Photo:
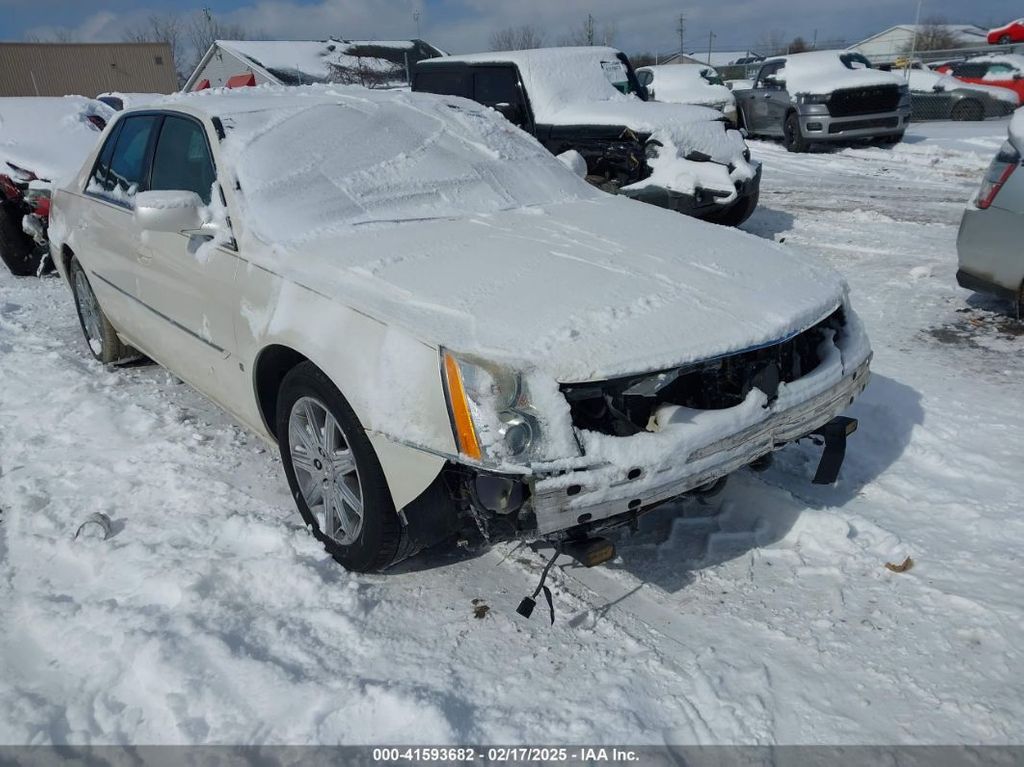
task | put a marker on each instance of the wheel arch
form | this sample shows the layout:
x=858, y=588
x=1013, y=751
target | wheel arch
x=272, y=364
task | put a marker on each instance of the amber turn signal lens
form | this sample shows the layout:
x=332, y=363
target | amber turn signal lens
x=461, y=418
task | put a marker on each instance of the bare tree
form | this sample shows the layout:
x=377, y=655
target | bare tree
x=53, y=35
x=934, y=34
x=517, y=38
x=799, y=45
x=162, y=29
x=589, y=34
x=205, y=29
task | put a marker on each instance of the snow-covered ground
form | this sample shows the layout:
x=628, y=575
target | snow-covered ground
x=767, y=616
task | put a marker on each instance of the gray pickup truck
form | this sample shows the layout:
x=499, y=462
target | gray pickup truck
x=824, y=96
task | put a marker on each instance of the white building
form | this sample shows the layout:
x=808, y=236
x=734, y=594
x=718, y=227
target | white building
x=896, y=41
x=301, y=62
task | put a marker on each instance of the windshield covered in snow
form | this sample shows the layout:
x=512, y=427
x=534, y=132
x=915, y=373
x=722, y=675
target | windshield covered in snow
x=345, y=158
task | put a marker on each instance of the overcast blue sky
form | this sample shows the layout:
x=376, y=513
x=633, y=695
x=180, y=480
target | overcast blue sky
x=466, y=25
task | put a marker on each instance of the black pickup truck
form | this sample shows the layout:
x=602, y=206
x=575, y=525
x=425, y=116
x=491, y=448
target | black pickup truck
x=588, y=100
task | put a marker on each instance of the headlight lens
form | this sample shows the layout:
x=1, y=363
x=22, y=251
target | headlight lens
x=808, y=98
x=492, y=416
x=652, y=149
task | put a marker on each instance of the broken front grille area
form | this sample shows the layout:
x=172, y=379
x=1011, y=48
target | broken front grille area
x=622, y=407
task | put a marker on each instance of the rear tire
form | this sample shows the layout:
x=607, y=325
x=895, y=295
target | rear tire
x=968, y=111
x=792, y=138
x=17, y=249
x=334, y=474
x=100, y=336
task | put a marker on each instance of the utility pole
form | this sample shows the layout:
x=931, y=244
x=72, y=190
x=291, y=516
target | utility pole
x=711, y=37
x=416, y=18
x=681, y=29
x=589, y=29
x=913, y=44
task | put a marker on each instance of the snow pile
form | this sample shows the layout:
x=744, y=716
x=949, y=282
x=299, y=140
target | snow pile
x=130, y=100
x=329, y=158
x=672, y=170
x=686, y=84
x=822, y=72
x=926, y=81
x=49, y=136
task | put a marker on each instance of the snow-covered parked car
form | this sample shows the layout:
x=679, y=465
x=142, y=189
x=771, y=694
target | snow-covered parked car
x=446, y=330
x=588, y=100
x=824, y=96
x=43, y=140
x=991, y=259
x=697, y=84
x=935, y=96
x=117, y=100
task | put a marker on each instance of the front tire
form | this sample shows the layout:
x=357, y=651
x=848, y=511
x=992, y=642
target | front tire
x=334, y=475
x=792, y=138
x=17, y=249
x=1005, y=40
x=99, y=334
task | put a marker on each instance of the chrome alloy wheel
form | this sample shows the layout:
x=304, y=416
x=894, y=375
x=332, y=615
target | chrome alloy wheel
x=325, y=470
x=89, y=308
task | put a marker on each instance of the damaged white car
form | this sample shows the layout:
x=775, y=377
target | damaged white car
x=446, y=331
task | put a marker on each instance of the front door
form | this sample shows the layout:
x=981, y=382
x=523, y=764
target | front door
x=187, y=280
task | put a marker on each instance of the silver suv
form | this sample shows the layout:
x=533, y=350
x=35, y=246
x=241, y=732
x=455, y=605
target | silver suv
x=824, y=96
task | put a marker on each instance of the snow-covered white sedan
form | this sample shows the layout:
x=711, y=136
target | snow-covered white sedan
x=697, y=84
x=445, y=329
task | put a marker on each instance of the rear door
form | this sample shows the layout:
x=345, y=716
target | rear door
x=188, y=280
x=108, y=238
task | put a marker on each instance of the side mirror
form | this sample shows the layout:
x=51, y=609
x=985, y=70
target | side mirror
x=645, y=77
x=1018, y=76
x=168, y=211
x=575, y=162
x=510, y=112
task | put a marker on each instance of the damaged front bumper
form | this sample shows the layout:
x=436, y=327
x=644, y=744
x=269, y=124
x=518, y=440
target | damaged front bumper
x=703, y=203
x=566, y=500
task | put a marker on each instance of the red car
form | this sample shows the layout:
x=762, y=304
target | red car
x=41, y=139
x=1008, y=33
x=1004, y=71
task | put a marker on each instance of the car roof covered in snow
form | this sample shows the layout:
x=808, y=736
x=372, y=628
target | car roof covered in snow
x=326, y=158
x=1015, y=60
x=821, y=72
x=49, y=135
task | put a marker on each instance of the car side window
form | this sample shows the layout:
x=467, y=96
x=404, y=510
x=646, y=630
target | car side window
x=182, y=159
x=1000, y=69
x=767, y=71
x=126, y=173
x=496, y=85
x=443, y=82
x=98, y=178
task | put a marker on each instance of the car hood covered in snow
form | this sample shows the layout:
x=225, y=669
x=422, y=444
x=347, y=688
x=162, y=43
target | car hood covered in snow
x=49, y=136
x=450, y=223
x=582, y=290
x=822, y=72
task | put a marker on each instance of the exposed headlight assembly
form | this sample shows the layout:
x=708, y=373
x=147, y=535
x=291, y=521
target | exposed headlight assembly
x=492, y=416
x=652, y=149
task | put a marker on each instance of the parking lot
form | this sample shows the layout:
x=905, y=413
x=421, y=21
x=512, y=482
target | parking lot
x=766, y=615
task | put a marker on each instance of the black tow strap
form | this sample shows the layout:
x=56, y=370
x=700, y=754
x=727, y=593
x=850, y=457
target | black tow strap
x=526, y=606
x=834, y=433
